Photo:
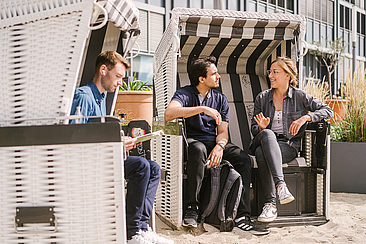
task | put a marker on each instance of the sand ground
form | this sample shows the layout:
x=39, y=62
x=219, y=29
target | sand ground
x=347, y=225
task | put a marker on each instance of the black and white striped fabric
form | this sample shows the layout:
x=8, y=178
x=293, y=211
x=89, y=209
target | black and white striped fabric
x=123, y=13
x=238, y=24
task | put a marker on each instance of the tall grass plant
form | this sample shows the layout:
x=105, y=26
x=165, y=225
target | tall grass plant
x=352, y=126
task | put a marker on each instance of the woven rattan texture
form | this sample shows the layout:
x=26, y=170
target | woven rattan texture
x=169, y=196
x=40, y=58
x=82, y=181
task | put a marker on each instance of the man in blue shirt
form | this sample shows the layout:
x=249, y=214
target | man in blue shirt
x=206, y=112
x=143, y=175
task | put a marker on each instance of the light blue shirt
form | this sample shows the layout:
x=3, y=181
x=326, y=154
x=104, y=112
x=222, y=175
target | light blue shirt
x=90, y=101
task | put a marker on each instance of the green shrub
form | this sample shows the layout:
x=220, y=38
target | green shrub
x=352, y=127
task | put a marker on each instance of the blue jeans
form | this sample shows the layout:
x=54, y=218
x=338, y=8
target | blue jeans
x=270, y=154
x=143, y=179
x=198, y=151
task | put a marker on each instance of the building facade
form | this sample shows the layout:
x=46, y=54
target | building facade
x=326, y=20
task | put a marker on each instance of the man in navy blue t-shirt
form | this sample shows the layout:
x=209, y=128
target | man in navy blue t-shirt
x=206, y=112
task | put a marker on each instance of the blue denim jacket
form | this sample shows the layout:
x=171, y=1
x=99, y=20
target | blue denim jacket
x=91, y=101
x=296, y=104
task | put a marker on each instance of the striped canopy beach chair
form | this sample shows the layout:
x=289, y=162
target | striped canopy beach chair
x=244, y=44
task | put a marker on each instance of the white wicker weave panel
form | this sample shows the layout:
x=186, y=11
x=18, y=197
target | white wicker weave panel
x=165, y=83
x=40, y=59
x=320, y=194
x=84, y=182
x=169, y=197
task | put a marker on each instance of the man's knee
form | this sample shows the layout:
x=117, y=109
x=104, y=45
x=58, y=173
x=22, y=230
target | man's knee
x=197, y=148
x=139, y=164
x=155, y=170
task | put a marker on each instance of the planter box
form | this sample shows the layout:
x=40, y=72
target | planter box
x=348, y=167
x=339, y=107
x=138, y=105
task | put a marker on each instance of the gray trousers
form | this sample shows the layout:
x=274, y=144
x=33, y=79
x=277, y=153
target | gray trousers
x=270, y=153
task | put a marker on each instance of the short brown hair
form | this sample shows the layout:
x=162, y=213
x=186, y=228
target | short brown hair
x=289, y=67
x=110, y=59
x=199, y=68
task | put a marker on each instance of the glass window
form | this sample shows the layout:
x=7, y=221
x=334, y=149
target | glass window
x=195, y=4
x=316, y=31
x=261, y=8
x=341, y=18
x=141, y=1
x=251, y=6
x=273, y=2
x=281, y=3
x=330, y=33
x=233, y=5
x=159, y=3
x=323, y=34
x=309, y=31
x=180, y=3
x=208, y=4
x=271, y=9
x=290, y=5
x=347, y=18
x=143, y=67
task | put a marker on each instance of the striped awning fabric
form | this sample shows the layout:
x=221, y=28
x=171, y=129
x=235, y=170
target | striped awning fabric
x=238, y=24
x=124, y=15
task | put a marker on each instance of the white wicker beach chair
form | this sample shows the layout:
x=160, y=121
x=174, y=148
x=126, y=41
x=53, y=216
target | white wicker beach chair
x=244, y=44
x=58, y=183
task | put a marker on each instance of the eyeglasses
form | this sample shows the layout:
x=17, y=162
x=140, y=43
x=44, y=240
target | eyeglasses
x=275, y=72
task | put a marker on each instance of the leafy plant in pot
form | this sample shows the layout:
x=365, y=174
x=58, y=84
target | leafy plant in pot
x=134, y=85
x=135, y=99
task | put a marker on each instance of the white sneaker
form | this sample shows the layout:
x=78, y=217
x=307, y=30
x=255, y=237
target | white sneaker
x=139, y=239
x=269, y=213
x=151, y=235
x=284, y=194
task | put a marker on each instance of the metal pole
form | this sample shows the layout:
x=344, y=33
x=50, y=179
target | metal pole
x=354, y=35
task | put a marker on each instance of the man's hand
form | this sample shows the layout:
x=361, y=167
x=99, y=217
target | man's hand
x=213, y=113
x=215, y=156
x=130, y=143
x=262, y=121
x=296, y=125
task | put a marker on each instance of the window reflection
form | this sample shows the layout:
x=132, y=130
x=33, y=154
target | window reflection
x=143, y=67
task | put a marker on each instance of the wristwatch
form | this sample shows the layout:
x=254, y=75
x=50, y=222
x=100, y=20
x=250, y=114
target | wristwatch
x=221, y=145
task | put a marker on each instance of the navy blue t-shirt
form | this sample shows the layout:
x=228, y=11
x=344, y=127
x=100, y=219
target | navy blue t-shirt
x=201, y=126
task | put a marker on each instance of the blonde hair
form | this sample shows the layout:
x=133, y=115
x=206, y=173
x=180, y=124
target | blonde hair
x=289, y=67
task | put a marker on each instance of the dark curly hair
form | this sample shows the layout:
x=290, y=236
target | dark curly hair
x=199, y=68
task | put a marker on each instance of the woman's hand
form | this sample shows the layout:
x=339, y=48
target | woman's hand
x=262, y=121
x=296, y=125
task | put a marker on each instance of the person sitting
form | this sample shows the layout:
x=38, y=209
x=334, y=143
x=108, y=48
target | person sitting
x=143, y=175
x=279, y=113
x=206, y=112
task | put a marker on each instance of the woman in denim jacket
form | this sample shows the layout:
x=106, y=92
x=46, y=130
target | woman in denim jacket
x=279, y=113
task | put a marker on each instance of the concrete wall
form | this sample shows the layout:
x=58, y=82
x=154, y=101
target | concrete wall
x=348, y=167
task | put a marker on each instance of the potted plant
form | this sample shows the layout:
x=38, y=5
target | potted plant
x=348, y=136
x=135, y=100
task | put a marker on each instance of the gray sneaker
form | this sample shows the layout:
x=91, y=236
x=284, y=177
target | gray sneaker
x=191, y=216
x=269, y=213
x=284, y=194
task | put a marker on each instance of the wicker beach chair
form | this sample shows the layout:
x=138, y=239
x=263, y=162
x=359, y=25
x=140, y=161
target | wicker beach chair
x=244, y=44
x=59, y=183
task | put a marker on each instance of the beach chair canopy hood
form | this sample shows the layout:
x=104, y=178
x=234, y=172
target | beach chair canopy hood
x=244, y=44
